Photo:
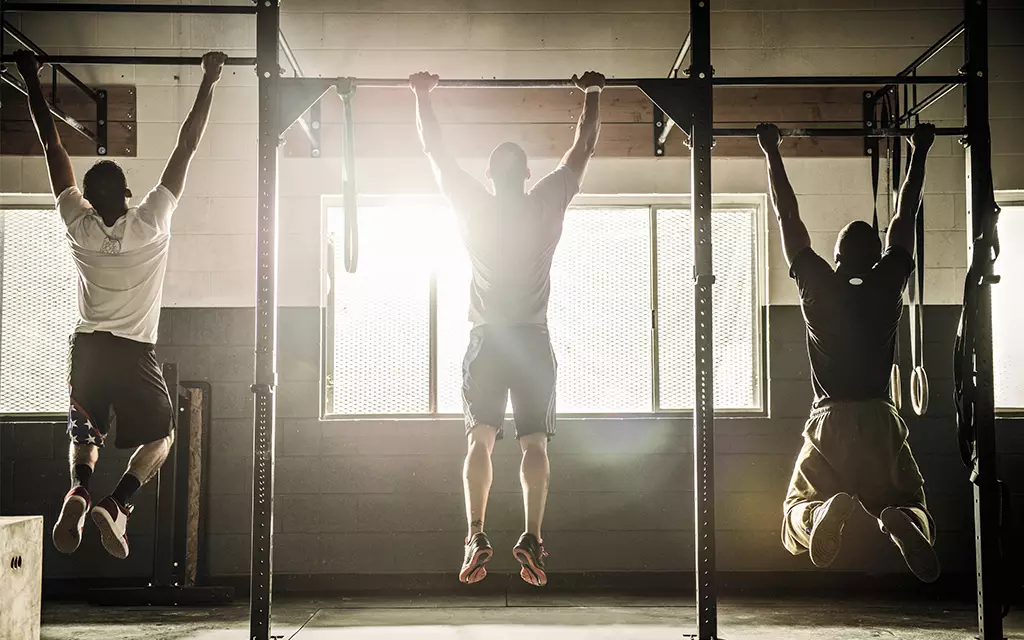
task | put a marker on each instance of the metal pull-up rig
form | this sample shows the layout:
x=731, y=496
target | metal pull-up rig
x=688, y=103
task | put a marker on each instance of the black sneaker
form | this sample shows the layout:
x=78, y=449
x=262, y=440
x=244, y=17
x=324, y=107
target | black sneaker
x=827, y=532
x=478, y=552
x=529, y=551
x=912, y=543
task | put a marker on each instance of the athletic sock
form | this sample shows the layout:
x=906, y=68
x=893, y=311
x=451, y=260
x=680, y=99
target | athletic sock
x=80, y=475
x=125, y=489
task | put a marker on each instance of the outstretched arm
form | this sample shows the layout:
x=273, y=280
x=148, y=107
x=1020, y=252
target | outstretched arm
x=191, y=132
x=446, y=168
x=902, y=226
x=58, y=162
x=589, y=126
x=794, y=233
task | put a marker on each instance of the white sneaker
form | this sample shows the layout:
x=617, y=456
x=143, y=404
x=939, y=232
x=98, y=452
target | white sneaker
x=912, y=543
x=827, y=532
x=67, y=533
x=112, y=519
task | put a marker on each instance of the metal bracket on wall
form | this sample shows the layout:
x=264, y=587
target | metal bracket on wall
x=101, y=123
x=871, y=145
x=297, y=95
x=315, y=136
x=671, y=97
x=659, y=127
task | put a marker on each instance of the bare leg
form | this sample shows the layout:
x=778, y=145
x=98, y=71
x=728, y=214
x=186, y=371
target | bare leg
x=142, y=467
x=477, y=474
x=534, y=474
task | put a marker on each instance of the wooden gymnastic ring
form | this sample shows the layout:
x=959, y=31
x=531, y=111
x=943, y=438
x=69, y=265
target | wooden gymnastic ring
x=919, y=390
x=895, y=387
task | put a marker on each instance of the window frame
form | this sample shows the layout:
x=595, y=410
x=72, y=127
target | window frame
x=42, y=203
x=653, y=203
x=1007, y=198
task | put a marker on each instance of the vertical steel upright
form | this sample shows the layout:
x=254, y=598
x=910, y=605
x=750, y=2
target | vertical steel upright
x=704, y=400
x=981, y=214
x=268, y=17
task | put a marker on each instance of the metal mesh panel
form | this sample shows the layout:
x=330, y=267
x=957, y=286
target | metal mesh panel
x=453, y=278
x=1007, y=309
x=737, y=349
x=382, y=314
x=600, y=311
x=39, y=310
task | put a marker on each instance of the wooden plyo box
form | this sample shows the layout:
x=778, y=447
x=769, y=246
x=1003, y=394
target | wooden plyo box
x=21, y=576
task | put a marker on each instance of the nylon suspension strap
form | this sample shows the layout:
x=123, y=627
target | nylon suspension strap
x=892, y=154
x=350, y=191
x=915, y=290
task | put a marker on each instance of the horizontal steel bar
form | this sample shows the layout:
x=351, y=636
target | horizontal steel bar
x=928, y=101
x=34, y=48
x=837, y=80
x=57, y=113
x=242, y=9
x=837, y=133
x=491, y=83
x=146, y=60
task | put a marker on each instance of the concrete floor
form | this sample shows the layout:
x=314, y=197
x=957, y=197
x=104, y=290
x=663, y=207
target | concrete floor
x=504, y=617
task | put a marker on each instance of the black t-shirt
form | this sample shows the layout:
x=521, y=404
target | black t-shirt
x=851, y=323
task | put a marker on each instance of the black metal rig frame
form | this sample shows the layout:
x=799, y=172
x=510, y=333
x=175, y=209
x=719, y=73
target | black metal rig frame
x=688, y=102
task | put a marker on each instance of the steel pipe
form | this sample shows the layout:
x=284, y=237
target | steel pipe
x=837, y=133
x=131, y=8
x=134, y=60
x=837, y=81
x=490, y=83
x=928, y=101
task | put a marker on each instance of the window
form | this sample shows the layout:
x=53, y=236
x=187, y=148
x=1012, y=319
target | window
x=396, y=331
x=1007, y=309
x=38, y=311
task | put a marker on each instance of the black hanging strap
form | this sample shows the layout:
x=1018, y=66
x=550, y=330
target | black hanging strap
x=351, y=193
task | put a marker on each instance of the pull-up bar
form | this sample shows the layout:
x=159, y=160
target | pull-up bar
x=495, y=83
x=131, y=60
x=838, y=133
x=246, y=9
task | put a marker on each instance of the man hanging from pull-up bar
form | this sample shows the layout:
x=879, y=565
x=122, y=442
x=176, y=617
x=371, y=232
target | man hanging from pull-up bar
x=510, y=235
x=855, y=443
x=120, y=253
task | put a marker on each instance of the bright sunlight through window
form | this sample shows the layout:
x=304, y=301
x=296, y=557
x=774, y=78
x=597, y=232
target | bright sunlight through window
x=38, y=308
x=397, y=330
x=1007, y=309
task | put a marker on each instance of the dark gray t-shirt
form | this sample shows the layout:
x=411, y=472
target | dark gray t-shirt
x=511, y=242
x=851, y=323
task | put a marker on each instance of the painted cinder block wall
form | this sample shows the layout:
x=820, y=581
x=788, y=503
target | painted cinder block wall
x=374, y=497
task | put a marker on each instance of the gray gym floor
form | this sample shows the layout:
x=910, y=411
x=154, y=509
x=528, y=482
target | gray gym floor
x=535, y=616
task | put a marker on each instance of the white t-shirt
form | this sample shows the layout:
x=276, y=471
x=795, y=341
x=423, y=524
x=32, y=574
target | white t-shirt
x=120, y=268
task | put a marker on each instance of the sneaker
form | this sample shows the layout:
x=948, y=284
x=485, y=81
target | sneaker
x=478, y=552
x=912, y=543
x=112, y=519
x=67, y=533
x=529, y=551
x=827, y=532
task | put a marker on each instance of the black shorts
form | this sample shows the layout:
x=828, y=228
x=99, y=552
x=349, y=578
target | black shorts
x=510, y=360
x=116, y=380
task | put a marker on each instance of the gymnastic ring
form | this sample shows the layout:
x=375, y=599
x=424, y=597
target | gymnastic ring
x=895, y=387
x=919, y=390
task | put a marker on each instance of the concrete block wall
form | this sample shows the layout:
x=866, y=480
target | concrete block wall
x=384, y=497
x=501, y=38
